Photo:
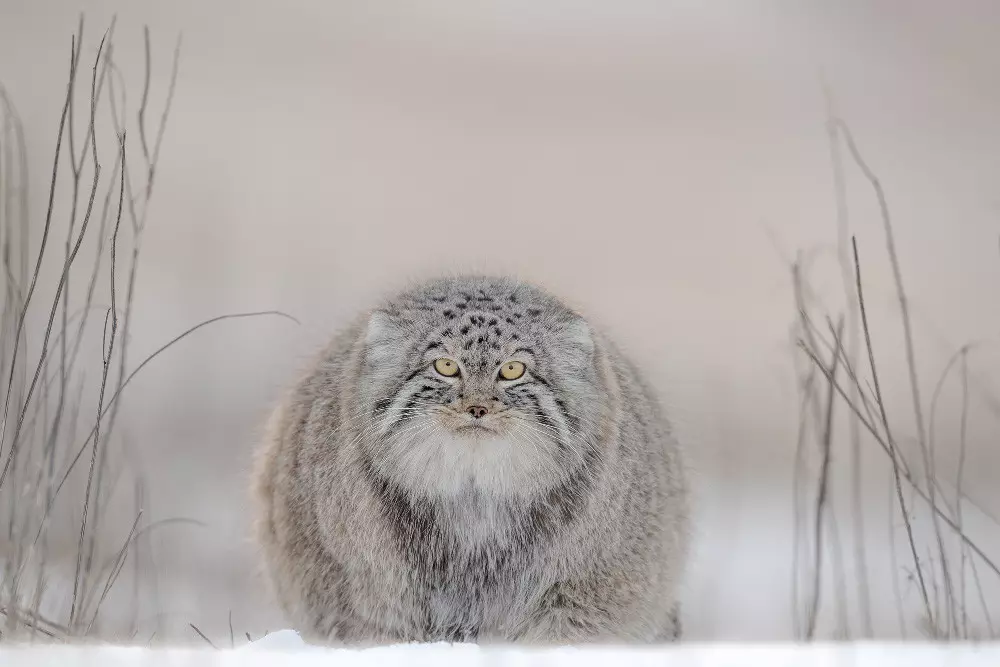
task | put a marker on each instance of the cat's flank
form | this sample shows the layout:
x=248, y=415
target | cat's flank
x=472, y=461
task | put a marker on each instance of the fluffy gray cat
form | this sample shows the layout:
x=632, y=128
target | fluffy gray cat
x=472, y=461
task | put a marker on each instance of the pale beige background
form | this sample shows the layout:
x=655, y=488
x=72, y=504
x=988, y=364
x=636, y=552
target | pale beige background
x=658, y=163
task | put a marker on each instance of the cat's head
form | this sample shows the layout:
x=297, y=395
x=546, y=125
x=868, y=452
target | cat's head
x=478, y=382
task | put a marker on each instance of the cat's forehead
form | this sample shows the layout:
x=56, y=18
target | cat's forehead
x=456, y=299
x=480, y=319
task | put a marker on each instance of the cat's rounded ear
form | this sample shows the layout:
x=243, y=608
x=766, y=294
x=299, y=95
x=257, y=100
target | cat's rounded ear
x=383, y=350
x=383, y=342
x=580, y=336
x=380, y=329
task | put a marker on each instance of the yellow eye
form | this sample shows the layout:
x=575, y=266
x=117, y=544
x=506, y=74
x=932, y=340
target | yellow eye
x=446, y=367
x=511, y=370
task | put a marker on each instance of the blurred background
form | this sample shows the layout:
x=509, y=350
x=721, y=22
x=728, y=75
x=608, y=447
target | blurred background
x=662, y=165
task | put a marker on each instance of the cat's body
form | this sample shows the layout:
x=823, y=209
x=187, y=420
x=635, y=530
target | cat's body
x=399, y=502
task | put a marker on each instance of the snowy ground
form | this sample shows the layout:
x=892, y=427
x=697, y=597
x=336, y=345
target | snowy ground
x=285, y=648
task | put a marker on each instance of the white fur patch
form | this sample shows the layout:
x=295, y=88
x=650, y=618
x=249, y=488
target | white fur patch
x=429, y=458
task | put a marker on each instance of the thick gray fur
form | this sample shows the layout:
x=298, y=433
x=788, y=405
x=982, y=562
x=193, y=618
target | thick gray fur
x=384, y=516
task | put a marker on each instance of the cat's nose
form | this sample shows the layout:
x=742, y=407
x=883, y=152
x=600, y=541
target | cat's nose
x=477, y=411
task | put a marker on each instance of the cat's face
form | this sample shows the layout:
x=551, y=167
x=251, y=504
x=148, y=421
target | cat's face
x=480, y=383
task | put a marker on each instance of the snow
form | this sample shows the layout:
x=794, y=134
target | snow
x=287, y=648
x=282, y=640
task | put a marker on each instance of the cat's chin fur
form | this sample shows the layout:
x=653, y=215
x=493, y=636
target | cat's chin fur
x=509, y=465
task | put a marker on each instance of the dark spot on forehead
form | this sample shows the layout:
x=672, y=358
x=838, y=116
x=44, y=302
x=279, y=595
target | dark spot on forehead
x=534, y=312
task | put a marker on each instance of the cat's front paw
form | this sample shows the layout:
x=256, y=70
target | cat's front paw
x=553, y=629
x=562, y=625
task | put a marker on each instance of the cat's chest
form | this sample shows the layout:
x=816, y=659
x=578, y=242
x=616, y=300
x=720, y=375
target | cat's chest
x=474, y=520
x=484, y=570
x=477, y=594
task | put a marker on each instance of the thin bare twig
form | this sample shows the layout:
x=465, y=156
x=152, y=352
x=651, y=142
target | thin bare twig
x=93, y=193
x=203, y=636
x=963, y=431
x=115, y=571
x=139, y=220
x=828, y=520
x=822, y=493
x=958, y=613
x=844, y=630
x=897, y=277
x=807, y=389
x=38, y=266
x=166, y=112
x=145, y=96
x=852, y=353
x=885, y=424
x=958, y=494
